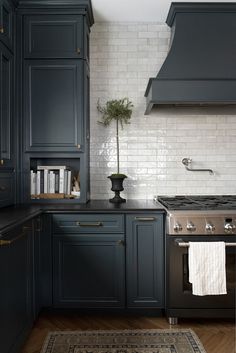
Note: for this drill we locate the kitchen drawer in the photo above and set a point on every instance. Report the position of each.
(88, 223)
(7, 187)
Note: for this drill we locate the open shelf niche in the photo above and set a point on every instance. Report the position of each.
(57, 179)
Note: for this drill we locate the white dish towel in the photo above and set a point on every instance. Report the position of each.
(207, 271)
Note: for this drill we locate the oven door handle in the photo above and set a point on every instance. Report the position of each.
(183, 244)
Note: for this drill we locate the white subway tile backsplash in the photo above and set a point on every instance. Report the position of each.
(123, 57)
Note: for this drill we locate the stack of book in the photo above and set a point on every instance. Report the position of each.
(50, 180)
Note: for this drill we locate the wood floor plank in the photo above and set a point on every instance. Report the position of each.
(217, 336)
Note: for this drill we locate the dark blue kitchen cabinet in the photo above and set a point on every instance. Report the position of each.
(7, 158)
(16, 281)
(54, 36)
(6, 23)
(6, 107)
(88, 265)
(53, 105)
(88, 271)
(145, 260)
(55, 97)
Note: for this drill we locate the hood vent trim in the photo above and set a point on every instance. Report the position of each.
(200, 67)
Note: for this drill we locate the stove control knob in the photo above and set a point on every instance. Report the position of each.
(191, 227)
(210, 227)
(229, 228)
(177, 227)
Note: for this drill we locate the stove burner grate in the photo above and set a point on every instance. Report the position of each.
(218, 202)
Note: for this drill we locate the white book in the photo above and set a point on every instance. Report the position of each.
(51, 182)
(51, 167)
(61, 181)
(45, 182)
(38, 182)
(65, 181)
(32, 183)
(69, 182)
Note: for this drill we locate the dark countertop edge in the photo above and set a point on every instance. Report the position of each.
(24, 212)
(19, 221)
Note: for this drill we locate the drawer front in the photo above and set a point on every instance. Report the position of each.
(54, 36)
(7, 189)
(88, 223)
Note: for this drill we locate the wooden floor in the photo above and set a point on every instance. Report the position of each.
(217, 336)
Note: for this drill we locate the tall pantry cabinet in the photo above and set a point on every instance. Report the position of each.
(54, 69)
(8, 124)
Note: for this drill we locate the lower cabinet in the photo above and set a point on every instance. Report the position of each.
(88, 270)
(145, 260)
(16, 281)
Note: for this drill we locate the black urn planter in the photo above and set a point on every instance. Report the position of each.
(117, 187)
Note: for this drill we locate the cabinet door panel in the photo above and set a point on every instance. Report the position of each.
(15, 280)
(6, 23)
(53, 106)
(6, 106)
(54, 36)
(145, 259)
(88, 272)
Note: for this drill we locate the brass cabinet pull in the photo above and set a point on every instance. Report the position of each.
(78, 146)
(78, 50)
(145, 219)
(9, 242)
(1, 161)
(3, 188)
(120, 242)
(1, 30)
(96, 224)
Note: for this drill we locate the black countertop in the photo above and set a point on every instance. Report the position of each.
(13, 216)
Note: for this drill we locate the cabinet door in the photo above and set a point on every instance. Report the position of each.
(145, 259)
(16, 294)
(54, 36)
(6, 23)
(6, 106)
(88, 271)
(53, 106)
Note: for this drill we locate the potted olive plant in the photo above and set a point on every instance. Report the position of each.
(120, 111)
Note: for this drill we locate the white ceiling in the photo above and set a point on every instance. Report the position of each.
(134, 10)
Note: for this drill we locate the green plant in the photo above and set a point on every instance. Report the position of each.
(119, 110)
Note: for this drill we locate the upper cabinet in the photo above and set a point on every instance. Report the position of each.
(55, 36)
(53, 105)
(6, 23)
(6, 106)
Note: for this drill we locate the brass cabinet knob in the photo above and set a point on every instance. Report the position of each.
(1, 30)
(3, 188)
(78, 50)
(1, 162)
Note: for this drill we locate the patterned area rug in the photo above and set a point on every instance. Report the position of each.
(126, 341)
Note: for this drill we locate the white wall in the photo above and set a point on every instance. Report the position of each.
(123, 57)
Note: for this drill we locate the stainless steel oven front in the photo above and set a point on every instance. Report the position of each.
(180, 302)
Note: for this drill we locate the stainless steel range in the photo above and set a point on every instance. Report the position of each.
(198, 218)
(200, 215)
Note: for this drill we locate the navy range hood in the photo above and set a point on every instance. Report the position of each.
(200, 68)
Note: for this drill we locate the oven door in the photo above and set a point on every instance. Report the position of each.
(178, 288)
